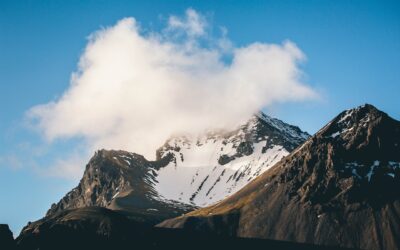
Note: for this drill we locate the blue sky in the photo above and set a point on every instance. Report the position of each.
(352, 50)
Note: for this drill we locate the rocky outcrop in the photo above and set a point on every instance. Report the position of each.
(187, 173)
(6, 238)
(340, 188)
(121, 181)
(83, 228)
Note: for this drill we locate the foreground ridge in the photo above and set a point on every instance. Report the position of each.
(101, 228)
(340, 188)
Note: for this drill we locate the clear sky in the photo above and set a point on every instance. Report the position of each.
(352, 50)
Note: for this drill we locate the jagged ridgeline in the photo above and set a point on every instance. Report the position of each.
(266, 180)
(340, 188)
(189, 172)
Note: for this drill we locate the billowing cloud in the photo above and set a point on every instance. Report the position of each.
(68, 167)
(133, 90)
(193, 25)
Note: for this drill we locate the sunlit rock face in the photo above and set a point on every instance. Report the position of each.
(189, 172)
(339, 188)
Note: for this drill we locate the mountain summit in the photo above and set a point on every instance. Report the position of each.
(206, 169)
(340, 188)
(189, 172)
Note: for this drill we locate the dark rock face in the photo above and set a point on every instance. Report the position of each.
(125, 181)
(84, 228)
(6, 238)
(244, 148)
(121, 181)
(340, 188)
(101, 228)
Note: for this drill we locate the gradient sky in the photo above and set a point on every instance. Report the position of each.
(352, 49)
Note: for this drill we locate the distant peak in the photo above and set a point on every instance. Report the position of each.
(366, 106)
(359, 114)
(291, 130)
(352, 121)
(364, 109)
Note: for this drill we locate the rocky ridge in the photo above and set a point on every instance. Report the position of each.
(340, 188)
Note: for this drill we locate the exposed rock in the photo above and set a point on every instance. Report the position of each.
(6, 238)
(340, 188)
(121, 181)
(210, 167)
(125, 181)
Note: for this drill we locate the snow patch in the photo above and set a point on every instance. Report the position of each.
(202, 175)
(354, 171)
(196, 175)
(115, 195)
(359, 170)
(335, 134)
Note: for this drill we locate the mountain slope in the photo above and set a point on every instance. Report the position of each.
(188, 172)
(121, 181)
(341, 187)
(208, 168)
(101, 228)
(6, 238)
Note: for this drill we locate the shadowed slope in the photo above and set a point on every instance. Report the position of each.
(340, 188)
(100, 228)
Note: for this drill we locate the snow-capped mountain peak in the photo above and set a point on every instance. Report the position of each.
(209, 168)
(350, 121)
(370, 139)
(190, 171)
(341, 190)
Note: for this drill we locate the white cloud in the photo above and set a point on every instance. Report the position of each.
(133, 90)
(65, 168)
(193, 24)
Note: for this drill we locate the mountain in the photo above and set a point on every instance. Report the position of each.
(339, 188)
(122, 181)
(6, 238)
(83, 228)
(101, 228)
(189, 171)
(208, 168)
